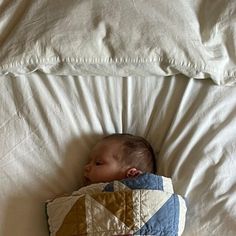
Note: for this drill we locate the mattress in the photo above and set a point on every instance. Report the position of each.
(73, 72)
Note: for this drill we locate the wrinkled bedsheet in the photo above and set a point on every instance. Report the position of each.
(74, 71)
(145, 205)
(50, 123)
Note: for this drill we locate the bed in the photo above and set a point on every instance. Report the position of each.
(74, 71)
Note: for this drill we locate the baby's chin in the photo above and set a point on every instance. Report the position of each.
(87, 181)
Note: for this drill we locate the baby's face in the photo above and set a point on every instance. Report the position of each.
(103, 165)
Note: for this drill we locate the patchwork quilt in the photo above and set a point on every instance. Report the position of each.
(144, 205)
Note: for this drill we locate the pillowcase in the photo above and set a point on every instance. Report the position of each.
(119, 38)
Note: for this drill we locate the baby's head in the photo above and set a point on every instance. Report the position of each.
(119, 156)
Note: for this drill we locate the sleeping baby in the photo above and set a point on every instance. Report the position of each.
(119, 156)
(121, 195)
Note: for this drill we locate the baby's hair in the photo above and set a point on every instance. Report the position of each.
(137, 151)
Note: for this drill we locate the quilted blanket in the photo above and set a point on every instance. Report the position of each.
(145, 205)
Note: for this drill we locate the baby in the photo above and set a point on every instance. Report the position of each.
(119, 156)
(115, 203)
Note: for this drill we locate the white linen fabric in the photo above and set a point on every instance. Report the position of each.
(119, 38)
(70, 72)
(49, 124)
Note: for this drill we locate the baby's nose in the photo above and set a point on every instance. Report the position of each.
(87, 168)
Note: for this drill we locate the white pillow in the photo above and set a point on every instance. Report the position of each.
(120, 38)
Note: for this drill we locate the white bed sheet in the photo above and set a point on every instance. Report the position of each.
(49, 123)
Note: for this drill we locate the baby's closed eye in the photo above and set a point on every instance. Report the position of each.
(98, 163)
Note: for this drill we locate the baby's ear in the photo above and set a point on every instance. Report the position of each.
(133, 172)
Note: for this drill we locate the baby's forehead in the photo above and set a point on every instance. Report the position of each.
(107, 145)
(110, 142)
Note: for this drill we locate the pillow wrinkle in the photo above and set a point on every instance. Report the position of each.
(120, 38)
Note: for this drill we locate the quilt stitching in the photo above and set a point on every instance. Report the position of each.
(144, 215)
